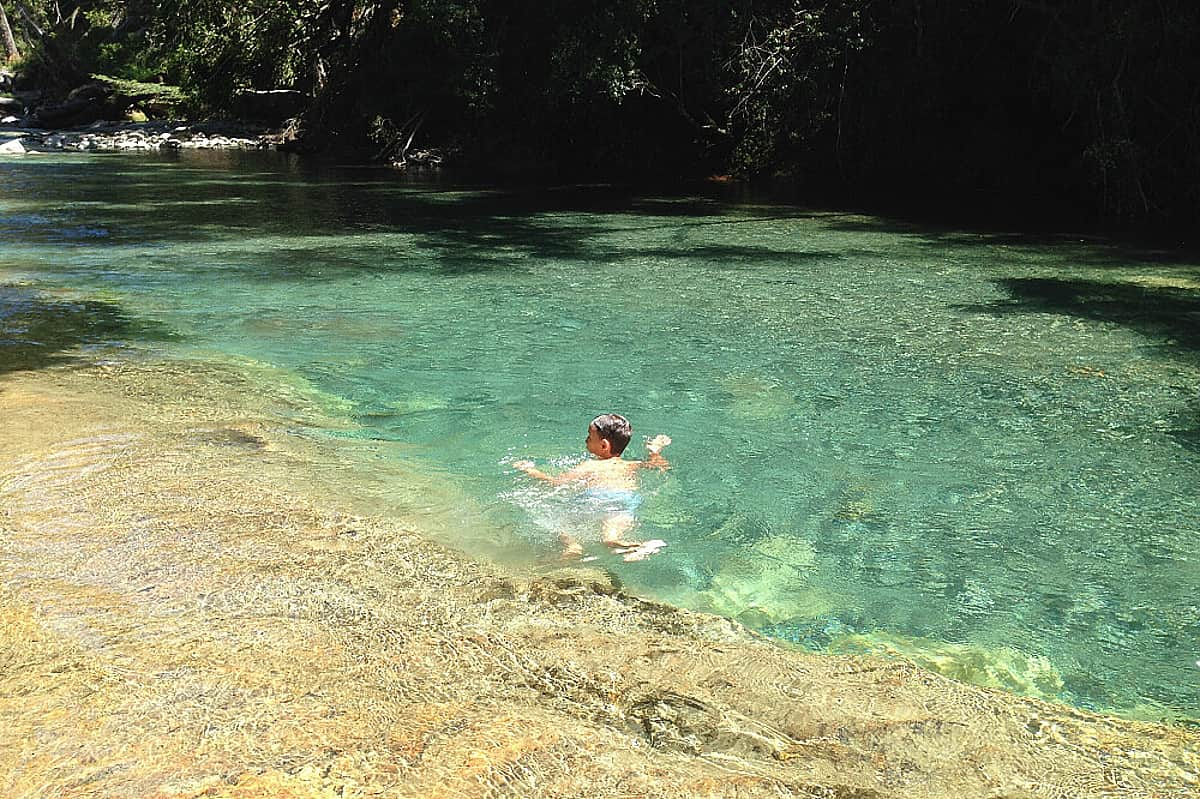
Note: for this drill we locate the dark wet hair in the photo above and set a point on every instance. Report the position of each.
(614, 429)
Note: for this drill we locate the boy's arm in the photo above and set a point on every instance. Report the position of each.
(557, 479)
(654, 457)
(533, 471)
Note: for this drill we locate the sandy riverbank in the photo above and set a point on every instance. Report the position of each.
(192, 606)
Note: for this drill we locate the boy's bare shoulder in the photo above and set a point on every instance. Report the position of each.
(587, 467)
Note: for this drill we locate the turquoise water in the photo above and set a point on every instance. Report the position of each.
(885, 434)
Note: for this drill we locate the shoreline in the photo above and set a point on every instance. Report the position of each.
(138, 136)
(186, 613)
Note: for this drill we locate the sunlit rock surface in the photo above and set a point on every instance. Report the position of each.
(192, 606)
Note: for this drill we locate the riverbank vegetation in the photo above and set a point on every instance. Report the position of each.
(1079, 110)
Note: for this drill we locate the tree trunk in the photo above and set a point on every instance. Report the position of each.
(10, 44)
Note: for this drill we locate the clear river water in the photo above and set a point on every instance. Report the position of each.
(978, 450)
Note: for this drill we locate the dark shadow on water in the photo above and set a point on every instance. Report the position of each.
(496, 232)
(1164, 313)
(736, 254)
(456, 229)
(1187, 431)
(37, 331)
(1155, 311)
(468, 252)
(1084, 249)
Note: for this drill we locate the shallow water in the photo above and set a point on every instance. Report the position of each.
(886, 436)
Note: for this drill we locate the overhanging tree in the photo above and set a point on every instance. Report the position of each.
(10, 44)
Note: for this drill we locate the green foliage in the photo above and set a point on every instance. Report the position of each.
(152, 91)
(787, 82)
(1088, 105)
(218, 48)
(211, 48)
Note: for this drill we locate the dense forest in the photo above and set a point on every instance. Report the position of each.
(1076, 108)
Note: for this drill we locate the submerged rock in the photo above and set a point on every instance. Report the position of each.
(991, 667)
(757, 397)
(768, 583)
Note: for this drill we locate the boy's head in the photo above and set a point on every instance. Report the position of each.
(608, 435)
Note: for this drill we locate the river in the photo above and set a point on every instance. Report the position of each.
(977, 450)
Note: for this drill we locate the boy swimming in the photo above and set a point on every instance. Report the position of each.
(611, 482)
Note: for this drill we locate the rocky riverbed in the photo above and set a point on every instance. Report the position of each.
(136, 136)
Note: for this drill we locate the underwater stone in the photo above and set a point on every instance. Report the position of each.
(767, 584)
(992, 667)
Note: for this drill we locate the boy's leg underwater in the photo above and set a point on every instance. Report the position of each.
(614, 529)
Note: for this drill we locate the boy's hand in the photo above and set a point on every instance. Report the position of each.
(655, 445)
(538, 474)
